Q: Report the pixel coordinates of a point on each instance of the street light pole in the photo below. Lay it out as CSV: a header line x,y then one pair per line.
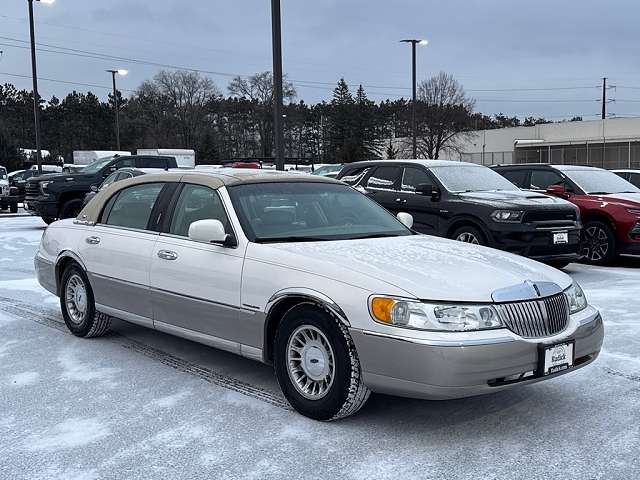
x,y
36,96
116,103
414,82
278,132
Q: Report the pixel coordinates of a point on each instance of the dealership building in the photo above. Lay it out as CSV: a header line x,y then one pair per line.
x,y
610,143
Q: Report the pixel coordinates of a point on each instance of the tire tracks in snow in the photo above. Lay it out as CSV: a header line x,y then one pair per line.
x,y
44,316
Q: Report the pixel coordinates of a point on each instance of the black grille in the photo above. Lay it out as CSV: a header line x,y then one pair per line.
x,y
32,189
536,216
536,318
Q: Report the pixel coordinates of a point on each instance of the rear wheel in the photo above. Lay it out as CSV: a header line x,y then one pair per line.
x,y
469,234
317,365
598,243
78,306
71,209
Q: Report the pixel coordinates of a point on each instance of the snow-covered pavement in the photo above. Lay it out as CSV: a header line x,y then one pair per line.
x,y
141,404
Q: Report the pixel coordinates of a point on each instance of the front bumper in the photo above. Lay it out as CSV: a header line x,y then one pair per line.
x,y
41,208
466,364
536,243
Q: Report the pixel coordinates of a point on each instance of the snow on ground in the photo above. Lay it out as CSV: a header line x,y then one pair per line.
x,y
141,404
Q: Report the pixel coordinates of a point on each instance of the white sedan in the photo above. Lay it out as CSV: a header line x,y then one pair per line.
x,y
309,275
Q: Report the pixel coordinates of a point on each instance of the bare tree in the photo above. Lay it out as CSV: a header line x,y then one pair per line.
x,y
443,112
258,89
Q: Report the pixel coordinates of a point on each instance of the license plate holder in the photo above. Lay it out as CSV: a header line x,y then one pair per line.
x,y
560,238
556,358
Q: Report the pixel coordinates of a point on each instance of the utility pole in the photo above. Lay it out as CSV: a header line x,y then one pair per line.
x,y
604,98
278,132
36,95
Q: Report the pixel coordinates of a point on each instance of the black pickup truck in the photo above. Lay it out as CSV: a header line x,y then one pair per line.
x,y
57,196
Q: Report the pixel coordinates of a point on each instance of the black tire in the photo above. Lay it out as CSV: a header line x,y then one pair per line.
x,y
469,234
71,209
346,393
598,243
13,208
92,323
48,220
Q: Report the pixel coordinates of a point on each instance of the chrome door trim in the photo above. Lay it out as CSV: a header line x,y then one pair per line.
x,y
204,300
126,316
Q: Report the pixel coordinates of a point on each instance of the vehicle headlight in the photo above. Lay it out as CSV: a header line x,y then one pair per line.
x,y
43,187
634,211
433,316
507,216
576,298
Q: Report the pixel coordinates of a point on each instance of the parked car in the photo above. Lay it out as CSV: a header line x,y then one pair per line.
x,y
116,176
8,198
18,181
330,171
631,176
277,268
473,204
61,196
609,205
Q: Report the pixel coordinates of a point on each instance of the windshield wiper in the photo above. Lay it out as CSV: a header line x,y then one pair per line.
x,y
374,235
292,238
600,193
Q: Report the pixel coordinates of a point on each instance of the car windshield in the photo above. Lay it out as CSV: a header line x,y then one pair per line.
x,y
97,165
468,178
305,211
601,182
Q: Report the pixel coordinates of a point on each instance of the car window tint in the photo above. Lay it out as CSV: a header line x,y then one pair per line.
x,y
412,177
635,179
195,203
517,177
109,180
124,162
542,179
132,207
354,176
384,178
150,162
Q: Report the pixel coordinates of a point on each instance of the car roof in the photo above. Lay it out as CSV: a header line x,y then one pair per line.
x,y
626,170
562,168
215,179
425,163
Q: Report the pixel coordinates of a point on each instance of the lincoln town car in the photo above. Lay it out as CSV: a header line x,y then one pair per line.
x,y
309,275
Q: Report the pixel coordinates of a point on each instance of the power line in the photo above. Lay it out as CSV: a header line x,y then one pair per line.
x,y
66,82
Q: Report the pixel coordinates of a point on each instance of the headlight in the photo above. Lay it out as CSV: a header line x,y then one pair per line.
x,y
576,298
507,216
43,187
432,316
634,211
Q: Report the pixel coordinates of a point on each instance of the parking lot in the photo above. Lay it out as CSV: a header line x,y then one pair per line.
x,y
138,403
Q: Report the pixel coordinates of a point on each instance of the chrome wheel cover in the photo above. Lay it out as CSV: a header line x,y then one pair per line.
x,y
596,244
76,299
468,237
310,362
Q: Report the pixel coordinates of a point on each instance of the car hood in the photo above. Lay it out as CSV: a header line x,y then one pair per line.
x,y
422,266
62,177
632,199
514,198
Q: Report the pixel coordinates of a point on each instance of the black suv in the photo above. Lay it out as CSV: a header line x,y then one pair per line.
x,y
61,195
471,203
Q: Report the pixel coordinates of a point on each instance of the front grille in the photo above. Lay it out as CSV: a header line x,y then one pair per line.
x,y
536,318
551,218
32,189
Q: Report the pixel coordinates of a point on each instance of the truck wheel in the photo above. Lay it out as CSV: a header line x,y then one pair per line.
x,y
13,208
78,306
469,234
48,220
317,365
598,243
71,209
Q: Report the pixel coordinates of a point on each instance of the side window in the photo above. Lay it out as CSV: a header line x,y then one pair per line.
x,y
124,162
123,176
384,178
354,176
635,179
131,208
541,179
625,175
197,202
517,177
150,162
412,177
109,180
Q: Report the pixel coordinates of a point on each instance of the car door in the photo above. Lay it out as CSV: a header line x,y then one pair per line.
x,y
196,286
382,186
424,209
117,252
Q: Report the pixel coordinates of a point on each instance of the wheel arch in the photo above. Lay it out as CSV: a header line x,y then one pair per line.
x,y
65,258
283,301
598,216
466,220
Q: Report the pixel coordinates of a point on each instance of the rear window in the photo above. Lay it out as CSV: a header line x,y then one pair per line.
x,y
353,177
517,177
150,162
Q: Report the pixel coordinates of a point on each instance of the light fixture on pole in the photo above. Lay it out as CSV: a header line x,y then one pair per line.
x,y
414,131
34,74
278,131
122,72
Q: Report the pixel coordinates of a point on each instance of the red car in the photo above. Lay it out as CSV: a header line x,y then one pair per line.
x,y
609,205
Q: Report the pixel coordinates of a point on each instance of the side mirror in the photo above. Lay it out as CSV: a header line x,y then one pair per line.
x,y
406,219
94,189
558,191
210,231
428,190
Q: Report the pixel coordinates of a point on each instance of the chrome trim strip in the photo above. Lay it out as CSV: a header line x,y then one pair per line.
x,y
197,299
309,294
441,343
126,316
527,290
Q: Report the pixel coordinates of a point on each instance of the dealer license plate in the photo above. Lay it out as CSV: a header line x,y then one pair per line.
x,y
556,358
560,238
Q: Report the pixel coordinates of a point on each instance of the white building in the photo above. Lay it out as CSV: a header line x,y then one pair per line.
x,y
610,143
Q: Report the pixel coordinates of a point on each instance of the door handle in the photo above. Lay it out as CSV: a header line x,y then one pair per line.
x,y
92,240
401,200
167,255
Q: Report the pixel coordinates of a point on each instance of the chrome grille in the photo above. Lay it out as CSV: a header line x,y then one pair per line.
x,y
32,189
536,318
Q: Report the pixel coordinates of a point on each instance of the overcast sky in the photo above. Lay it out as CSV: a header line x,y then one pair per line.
x,y
485,44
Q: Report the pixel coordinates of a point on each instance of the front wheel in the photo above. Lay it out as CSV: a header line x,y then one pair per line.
x,y
78,306
469,234
598,243
317,365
